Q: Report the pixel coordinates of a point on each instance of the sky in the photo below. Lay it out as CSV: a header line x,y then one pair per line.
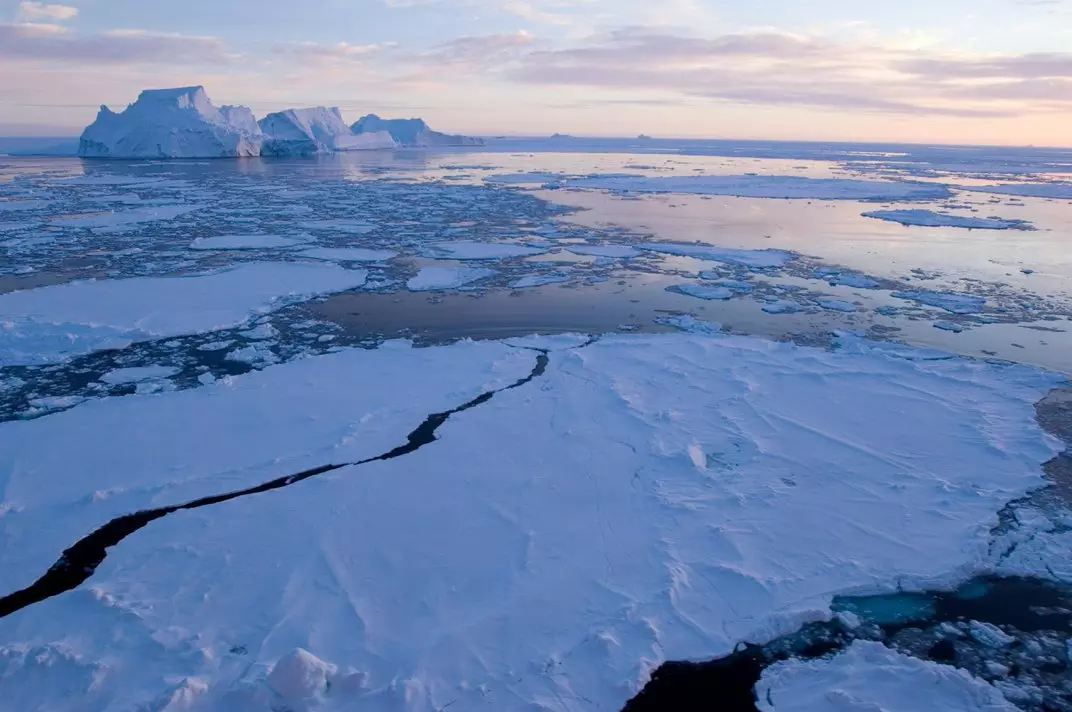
x,y
943,71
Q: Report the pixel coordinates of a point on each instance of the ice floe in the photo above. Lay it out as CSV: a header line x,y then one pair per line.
x,y
646,497
246,242
759,259
767,186
438,278
482,250
870,676
954,302
930,218
51,323
348,254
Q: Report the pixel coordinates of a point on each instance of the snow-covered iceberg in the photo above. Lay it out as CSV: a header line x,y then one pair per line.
x,y
304,132
172,123
411,132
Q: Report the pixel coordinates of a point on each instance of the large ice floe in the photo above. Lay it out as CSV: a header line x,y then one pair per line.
x,y
172,123
577,513
761,186
411,133
56,322
870,676
305,132
930,218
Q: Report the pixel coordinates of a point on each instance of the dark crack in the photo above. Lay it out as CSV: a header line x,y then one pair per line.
x,y
81,560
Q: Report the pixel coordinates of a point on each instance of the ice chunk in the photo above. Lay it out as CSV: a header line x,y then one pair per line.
x,y
539,280
990,635
411,133
703,291
869,677
121,376
836,305
614,251
172,123
930,218
749,258
304,132
434,278
784,306
954,302
126,217
246,242
348,254
51,323
482,250
300,677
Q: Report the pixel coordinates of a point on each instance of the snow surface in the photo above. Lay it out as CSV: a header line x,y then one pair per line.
x,y
760,186
930,218
304,132
172,123
411,133
749,258
246,242
56,322
482,250
650,497
348,254
869,677
434,278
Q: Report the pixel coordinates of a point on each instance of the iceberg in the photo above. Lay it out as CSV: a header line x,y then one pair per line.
x,y
306,132
172,123
411,133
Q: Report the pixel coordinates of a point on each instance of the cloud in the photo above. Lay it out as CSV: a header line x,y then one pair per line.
x,y
329,53
36,11
56,44
541,11
485,52
777,68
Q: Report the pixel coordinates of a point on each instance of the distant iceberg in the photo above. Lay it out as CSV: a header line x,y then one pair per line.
x,y
305,132
411,133
172,123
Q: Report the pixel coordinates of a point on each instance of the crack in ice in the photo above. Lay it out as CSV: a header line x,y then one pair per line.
x,y
78,563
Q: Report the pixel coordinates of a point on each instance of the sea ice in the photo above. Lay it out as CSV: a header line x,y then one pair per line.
x,y
836,305
56,322
613,251
784,306
703,291
950,301
869,676
350,227
1061,191
647,497
246,242
930,218
126,217
121,376
760,186
348,254
435,278
482,250
758,259
539,280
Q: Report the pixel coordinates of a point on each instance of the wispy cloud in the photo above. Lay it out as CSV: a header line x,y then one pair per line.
x,y
37,11
56,44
